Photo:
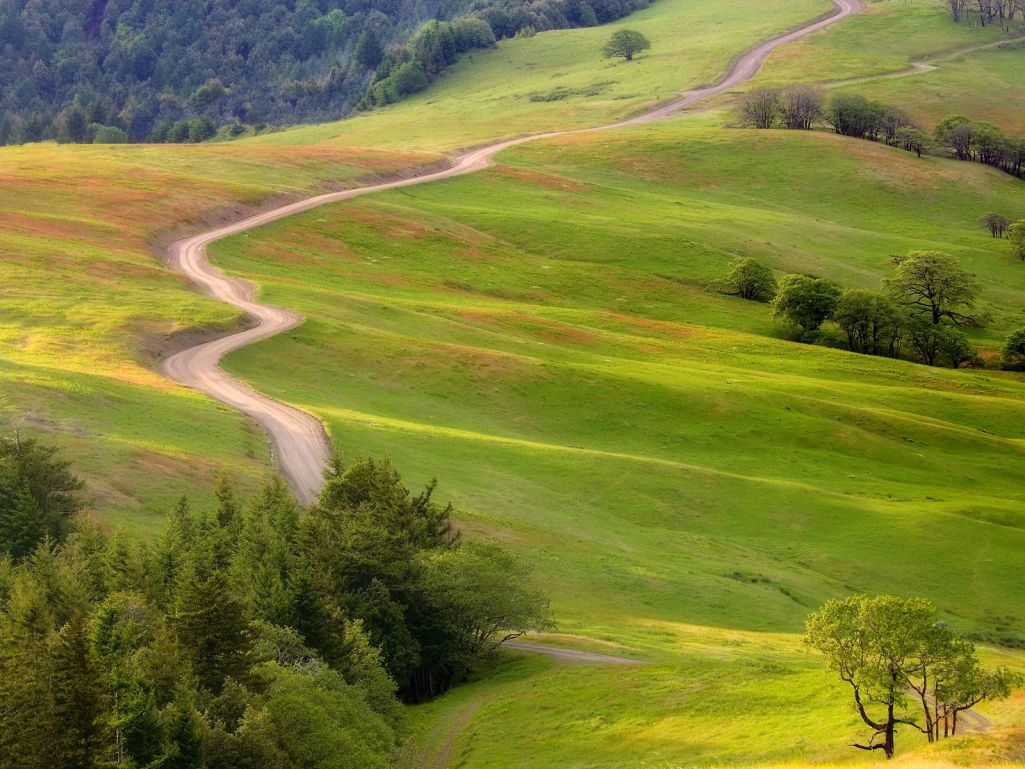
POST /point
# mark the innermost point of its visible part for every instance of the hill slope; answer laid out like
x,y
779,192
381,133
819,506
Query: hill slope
x,y
541,338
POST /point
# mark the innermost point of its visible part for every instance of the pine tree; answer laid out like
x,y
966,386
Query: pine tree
x,y
368,50
168,554
21,522
266,552
26,723
123,569
182,748
79,698
74,125
227,507
210,624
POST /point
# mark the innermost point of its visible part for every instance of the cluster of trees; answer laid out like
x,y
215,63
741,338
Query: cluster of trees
x,y
987,12
1000,226
802,107
971,140
145,71
922,309
409,68
904,667
256,635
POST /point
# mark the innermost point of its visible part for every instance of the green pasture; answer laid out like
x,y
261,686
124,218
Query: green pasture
x,y
543,339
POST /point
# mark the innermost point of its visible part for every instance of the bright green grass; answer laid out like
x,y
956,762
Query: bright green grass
x,y
986,84
543,342
689,484
86,307
888,36
486,95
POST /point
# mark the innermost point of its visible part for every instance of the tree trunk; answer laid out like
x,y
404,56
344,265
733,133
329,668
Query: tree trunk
x,y
888,748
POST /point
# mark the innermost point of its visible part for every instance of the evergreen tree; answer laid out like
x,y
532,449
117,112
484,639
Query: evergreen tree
x,y
48,477
79,698
209,622
227,506
74,125
21,522
369,53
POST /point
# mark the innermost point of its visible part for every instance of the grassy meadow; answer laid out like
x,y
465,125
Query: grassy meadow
x,y
87,306
987,83
558,79
974,70
887,36
542,338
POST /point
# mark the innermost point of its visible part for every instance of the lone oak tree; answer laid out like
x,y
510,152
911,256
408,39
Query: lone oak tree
x,y
750,279
626,43
933,284
887,648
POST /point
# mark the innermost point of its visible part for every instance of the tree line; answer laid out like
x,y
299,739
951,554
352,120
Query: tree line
x,y
113,70
921,311
903,666
986,13
803,107
244,634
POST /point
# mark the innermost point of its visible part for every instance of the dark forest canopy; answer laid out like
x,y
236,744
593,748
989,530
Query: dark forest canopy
x,y
118,70
247,633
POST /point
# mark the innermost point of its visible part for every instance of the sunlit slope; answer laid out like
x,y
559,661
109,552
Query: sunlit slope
x,y
541,338
987,84
910,54
87,305
887,36
544,342
718,698
559,80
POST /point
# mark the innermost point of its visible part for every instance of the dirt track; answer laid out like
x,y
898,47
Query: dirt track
x,y
301,446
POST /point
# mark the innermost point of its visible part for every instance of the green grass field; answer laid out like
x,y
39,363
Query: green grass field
x,y
987,82
886,37
541,338
87,306
487,95
891,36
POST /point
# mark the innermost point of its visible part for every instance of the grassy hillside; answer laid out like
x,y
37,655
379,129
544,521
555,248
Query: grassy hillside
x,y
540,337
87,306
886,37
974,70
80,226
985,84
559,80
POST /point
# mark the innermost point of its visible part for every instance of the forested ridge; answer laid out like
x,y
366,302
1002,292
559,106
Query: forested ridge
x,y
246,634
119,70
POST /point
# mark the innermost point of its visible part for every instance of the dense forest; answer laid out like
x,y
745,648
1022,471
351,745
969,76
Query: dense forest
x,y
141,70
243,635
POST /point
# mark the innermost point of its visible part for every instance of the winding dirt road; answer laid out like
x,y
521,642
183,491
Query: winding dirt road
x,y
301,446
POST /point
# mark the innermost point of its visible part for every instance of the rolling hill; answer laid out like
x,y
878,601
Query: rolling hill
x,y
543,337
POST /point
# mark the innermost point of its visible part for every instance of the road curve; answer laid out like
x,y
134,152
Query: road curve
x,y
300,444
